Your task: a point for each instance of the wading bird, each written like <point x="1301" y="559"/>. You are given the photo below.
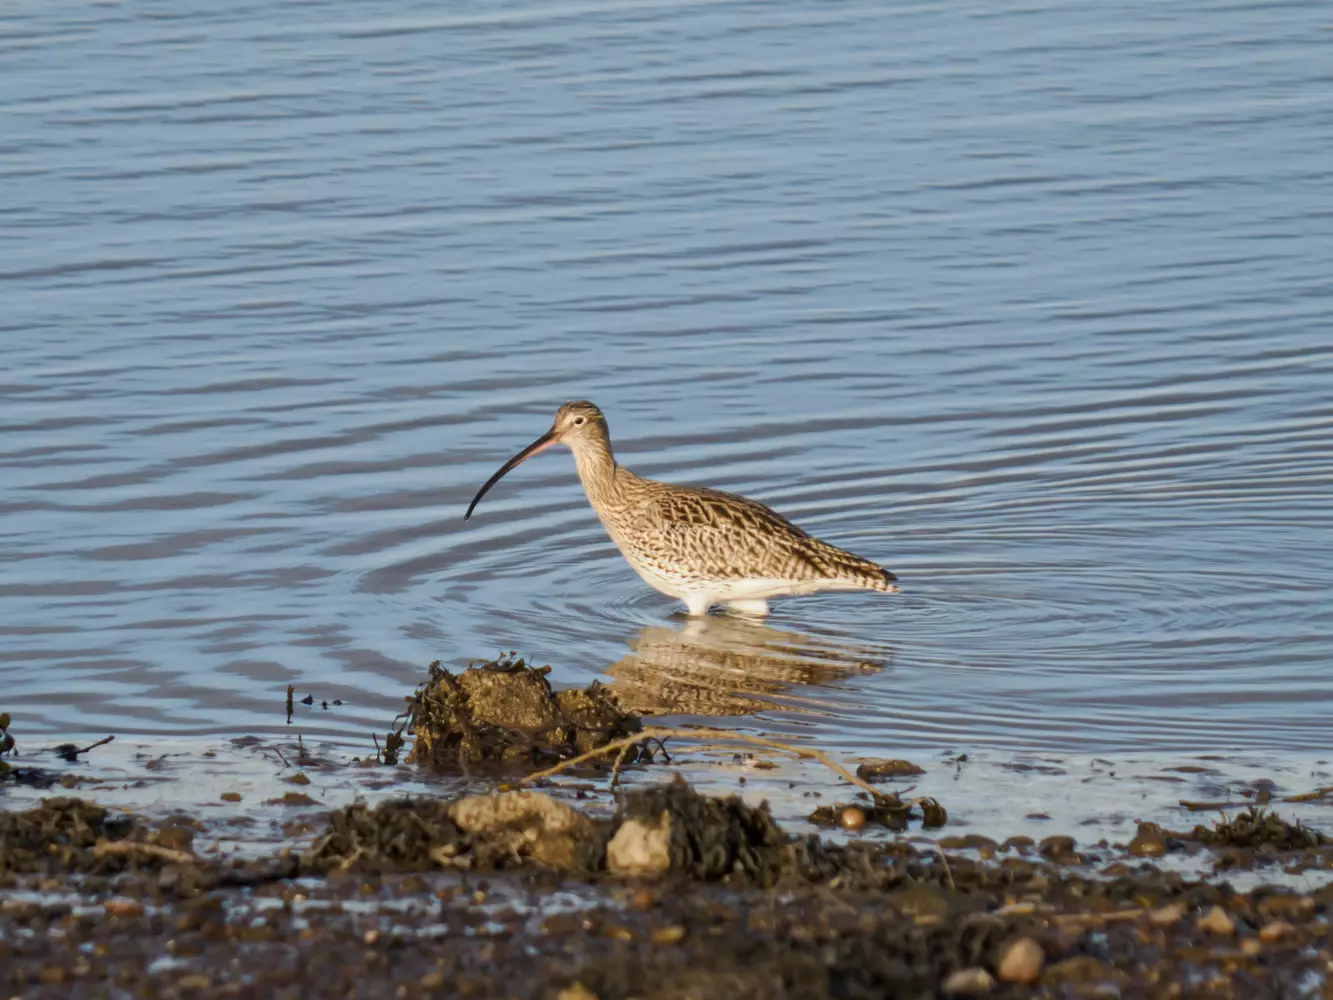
<point x="702" y="546"/>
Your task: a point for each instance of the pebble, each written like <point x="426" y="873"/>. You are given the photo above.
<point x="1166" y="915"/>
<point x="920" y="900"/>
<point x="643" y="900"/>
<point x="878" y="770"/>
<point x="1278" y="930"/>
<point x="1287" y="907"/>
<point x="971" y="982"/>
<point x="1216" y="921"/>
<point x="1020" y="843"/>
<point x="853" y="818"/>
<point x="120" y="907"/>
<point x="670" y="934"/>
<point x="1056" y="847"/>
<point x="576" y="992"/>
<point x="1148" y="842"/>
<point x="640" y="848"/>
<point x="1021" y="962"/>
<point x="1252" y="947"/>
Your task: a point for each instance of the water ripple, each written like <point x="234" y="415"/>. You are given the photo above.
<point x="1030" y="304"/>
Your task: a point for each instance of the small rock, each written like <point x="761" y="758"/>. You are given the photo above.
<point x="299" y="778"/>
<point x="175" y="838"/>
<point x="1252" y="947"/>
<point x="670" y="934"/>
<point x="1149" y="842"/>
<point x="971" y="982"/>
<point x="230" y="796"/>
<point x="1287" y="906"/>
<point x="1021" y="962"/>
<point x="576" y="992"/>
<point x="882" y="770"/>
<point x="292" y="799"/>
<point x="639" y="849"/>
<point x="121" y="907"/>
<point x="1216" y="921"/>
<point x="193" y="981"/>
<point x="853" y="818"/>
<point x="1166" y="915"/>
<point x="920" y="900"/>
<point x="1278" y="930"/>
<point x="530" y="824"/>
<point x="1057" y="847"/>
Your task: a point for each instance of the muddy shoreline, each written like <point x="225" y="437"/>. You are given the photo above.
<point x="519" y="895"/>
<point x="463" y="871"/>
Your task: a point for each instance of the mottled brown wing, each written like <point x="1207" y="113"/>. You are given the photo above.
<point x="725" y="536"/>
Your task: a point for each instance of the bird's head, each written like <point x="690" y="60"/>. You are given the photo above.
<point x="577" y="424"/>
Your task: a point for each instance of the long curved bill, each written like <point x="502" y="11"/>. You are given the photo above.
<point x="542" y="443"/>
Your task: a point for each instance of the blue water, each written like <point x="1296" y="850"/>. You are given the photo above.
<point x="1030" y="303"/>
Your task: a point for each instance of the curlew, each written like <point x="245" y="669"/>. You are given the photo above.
<point x="699" y="545"/>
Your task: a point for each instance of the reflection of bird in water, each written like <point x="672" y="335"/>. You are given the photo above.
<point x="703" y="546"/>
<point x="727" y="666"/>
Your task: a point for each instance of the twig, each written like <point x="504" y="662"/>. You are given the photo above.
<point x="722" y="735"/>
<point x="1322" y="792"/>
<point x="1210" y="806"/>
<point x="945" y="861"/>
<point x="136" y="848"/>
<point x="69" y="752"/>
<point x="615" y="769"/>
<point x="1318" y="793"/>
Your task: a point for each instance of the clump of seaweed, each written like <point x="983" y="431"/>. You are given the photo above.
<point x="505" y="830"/>
<point x="668" y="830"/>
<point x="672" y="828"/>
<point x="402" y="833"/>
<point x="1258" y="827"/>
<point x="504" y="713"/>
<point x="61" y="834"/>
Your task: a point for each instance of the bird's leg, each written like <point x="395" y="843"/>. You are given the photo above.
<point x="698" y="603"/>
<point x="755" y="606"/>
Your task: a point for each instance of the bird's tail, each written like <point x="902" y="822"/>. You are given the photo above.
<point x="852" y="570"/>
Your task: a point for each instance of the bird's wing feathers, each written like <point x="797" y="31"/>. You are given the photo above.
<point x="730" y="536"/>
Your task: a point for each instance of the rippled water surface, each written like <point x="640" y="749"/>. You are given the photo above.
<point x="1030" y="303"/>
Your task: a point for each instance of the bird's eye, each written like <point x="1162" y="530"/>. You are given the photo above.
<point x="577" y="421"/>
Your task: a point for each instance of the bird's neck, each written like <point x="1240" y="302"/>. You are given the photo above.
<point x="597" y="471"/>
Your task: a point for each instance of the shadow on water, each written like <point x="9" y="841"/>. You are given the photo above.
<point x="727" y="665"/>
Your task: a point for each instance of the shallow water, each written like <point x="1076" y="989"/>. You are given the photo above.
<point x="1028" y="303"/>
